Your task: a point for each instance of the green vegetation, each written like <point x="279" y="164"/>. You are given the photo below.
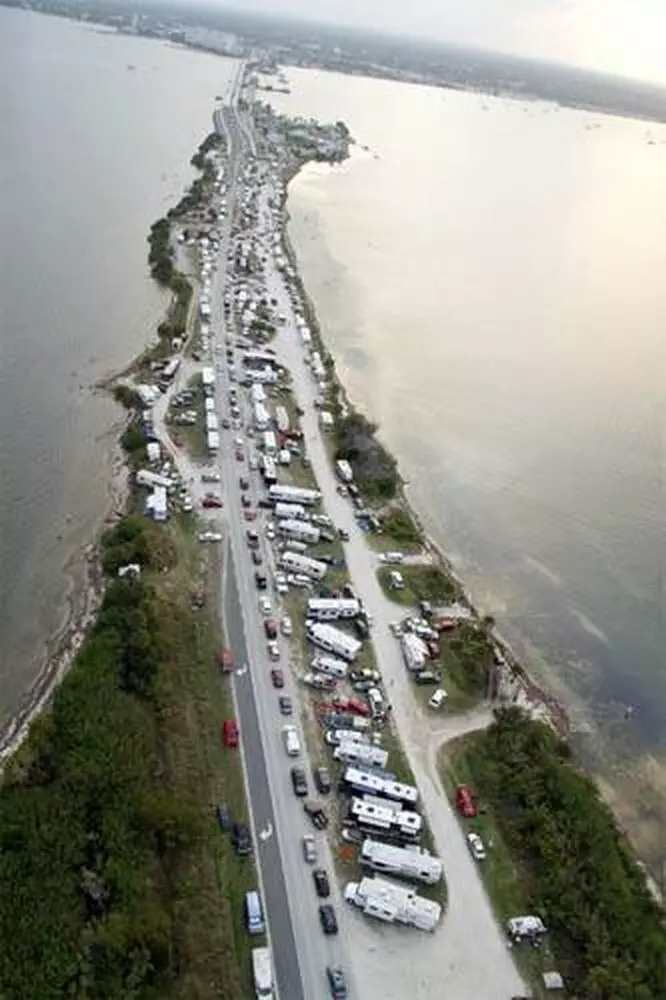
<point x="423" y="582"/>
<point x="398" y="527"/>
<point x="556" y="851"/>
<point x="375" y="470"/>
<point x="115" y="880"/>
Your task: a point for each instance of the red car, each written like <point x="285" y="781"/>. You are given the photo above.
<point x="230" y="733"/>
<point x="226" y="661"/>
<point x="359" y="706"/>
<point x="465" y="802"/>
<point x="270" y="628"/>
<point x="278" y="678"/>
<point x="211" y="500"/>
<point x="250" y="515"/>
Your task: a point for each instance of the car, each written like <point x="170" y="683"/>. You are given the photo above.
<point x="322" y="780"/>
<point x="336" y="982"/>
<point x="476" y="846"/>
<point x="321" y="883"/>
<point x="210" y="477"/>
<point x="252" y="538"/>
<point x="241" y="839"/>
<point x="292" y="741"/>
<point x="309" y="848"/>
<point x="286" y="705"/>
<point x="299" y="781"/>
<point x="316" y="813"/>
<point x="270" y="628"/>
<point x="273" y="650"/>
<point x="246" y="501"/>
<point x="211" y="500"/>
<point x="238" y="442"/>
<point x="286" y="626"/>
<point x="277" y="678"/>
<point x="465" y="802"/>
<point x="226" y="661"/>
<point x="265" y="606"/>
<point x="438" y="699"/>
<point x="352" y="835"/>
<point x="226" y="423"/>
<point x="257" y="557"/>
<point x="426" y="677"/>
<point x="250" y="515"/>
<point x="328" y="920"/>
<point x="210" y="536"/>
<point x="244" y="483"/>
<point x="240" y="457"/>
<point x="230" y="733"/>
<point x="260" y="580"/>
<point x="224" y="817"/>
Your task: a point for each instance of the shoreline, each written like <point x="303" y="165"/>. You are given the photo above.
<point x="84" y="593"/>
<point x="537" y="698"/>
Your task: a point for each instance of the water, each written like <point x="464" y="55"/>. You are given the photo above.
<point x="96" y="133"/>
<point x="490" y="278"/>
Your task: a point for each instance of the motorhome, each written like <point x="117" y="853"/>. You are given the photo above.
<point x="296" y="562"/>
<point x="371" y="816"/>
<point x="333" y="640"/>
<point x="332" y="608"/>
<point x="366" y="782"/>
<point x="414" y="651"/>
<point x="405" y="862"/>
<point x="393" y="903"/>
<point x="301" y="530"/>
<point x="359" y="754"/>
<point x="290" y="511"/>
<point x="294" y="494"/>
<point x="330" y="665"/>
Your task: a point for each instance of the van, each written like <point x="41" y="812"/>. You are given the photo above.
<point x="377" y="706"/>
<point x="292" y="743"/>
<point x="254" y="914"/>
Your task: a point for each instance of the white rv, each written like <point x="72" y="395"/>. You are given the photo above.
<point x="364" y="781"/>
<point x="393" y="903"/>
<point x="294" y="494"/>
<point x="365" y="755"/>
<point x="330" y="608"/>
<point x="405" y="862"/>
<point x="290" y="511"/>
<point x="414" y="651"/>
<point x="333" y="640"/>
<point x="301" y="530"/>
<point x="295" y="562"/>
<point x="386" y="817"/>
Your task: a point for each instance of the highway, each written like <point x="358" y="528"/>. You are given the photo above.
<point x="300" y="950"/>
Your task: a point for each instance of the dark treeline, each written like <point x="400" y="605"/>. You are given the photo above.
<point x="161" y="255"/>
<point x="375" y="469"/>
<point x="607" y="931"/>
<point x="89" y="831"/>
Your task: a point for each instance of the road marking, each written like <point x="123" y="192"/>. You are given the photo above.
<point x="267" y="833"/>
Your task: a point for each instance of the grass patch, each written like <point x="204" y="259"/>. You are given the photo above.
<point x="422" y="583"/>
<point x="504" y="880"/>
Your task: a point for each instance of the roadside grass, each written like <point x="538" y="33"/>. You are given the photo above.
<point x="505" y="881"/>
<point x="192" y="438"/>
<point x="461" y="697"/>
<point x="380" y="541"/>
<point x="210" y="884"/>
<point x="422" y="583"/>
<point x="297" y="474"/>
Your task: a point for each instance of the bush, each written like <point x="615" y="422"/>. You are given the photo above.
<point x="399" y="525"/>
<point x="607" y="931"/>
<point x="375" y="470"/>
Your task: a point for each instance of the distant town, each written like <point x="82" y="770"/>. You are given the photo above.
<point x="299" y="43"/>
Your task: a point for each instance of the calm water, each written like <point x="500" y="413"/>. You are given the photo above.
<point x="490" y="277"/>
<point x="96" y="134"/>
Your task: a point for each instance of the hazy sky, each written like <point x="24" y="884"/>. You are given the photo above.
<point x="618" y="36"/>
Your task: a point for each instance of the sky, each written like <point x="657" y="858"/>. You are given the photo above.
<point x="627" y="37"/>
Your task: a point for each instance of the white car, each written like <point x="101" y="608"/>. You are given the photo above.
<point x="309" y="848"/>
<point x="476" y="846"/>
<point x="285" y="626"/>
<point x="292" y="743"/>
<point x="273" y="650"/>
<point x="211" y="477"/>
<point x="282" y="588"/>
<point x="210" y="536"/>
<point x="438" y="699"/>
<point x="265" y="607"/>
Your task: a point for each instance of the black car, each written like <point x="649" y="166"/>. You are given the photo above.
<point x="286" y="707"/>
<point x="244" y="483"/>
<point x="316" y="814"/>
<point x="426" y="677"/>
<point x="299" y="781"/>
<point x="257" y="557"/>
<point x="241" y="839"/>
<point x="224" y="817"/>
<point x="322" y="780"/>
<point x="245" y="500"/>
<point x="328" y="920"/>
<point x="260" y="580"/>
<point x="336" y="982"/>
<point x="321" y="883"/>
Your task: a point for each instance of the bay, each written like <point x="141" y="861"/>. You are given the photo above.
<point x="96" y="134"/>
<point x="489" y="277"/>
